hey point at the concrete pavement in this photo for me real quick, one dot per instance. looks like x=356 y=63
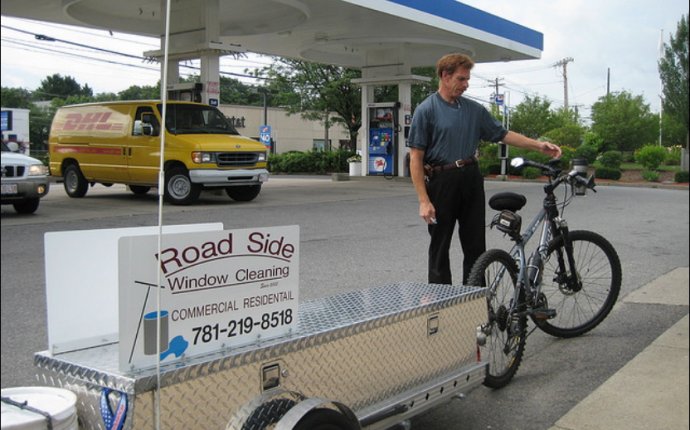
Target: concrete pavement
x=651 y=391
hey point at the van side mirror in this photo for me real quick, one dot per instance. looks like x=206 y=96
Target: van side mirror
x=138 y=128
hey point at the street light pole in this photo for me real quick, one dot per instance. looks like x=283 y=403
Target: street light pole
x=263 y=92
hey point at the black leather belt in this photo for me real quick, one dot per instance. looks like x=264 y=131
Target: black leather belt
x=457 y=164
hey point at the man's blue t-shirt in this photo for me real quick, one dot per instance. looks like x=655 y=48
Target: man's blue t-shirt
x=449 y=132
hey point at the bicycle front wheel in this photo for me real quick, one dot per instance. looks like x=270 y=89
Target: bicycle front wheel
x=506 y=328
x=580 y=306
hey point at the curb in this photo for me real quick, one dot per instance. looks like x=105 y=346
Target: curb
x=660 y=185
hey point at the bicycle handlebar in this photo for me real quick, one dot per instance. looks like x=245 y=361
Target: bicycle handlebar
x=554 y=173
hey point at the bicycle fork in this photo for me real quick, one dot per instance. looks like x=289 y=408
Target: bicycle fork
x=569 y=281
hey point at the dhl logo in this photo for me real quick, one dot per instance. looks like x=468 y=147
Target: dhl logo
x=89 y=121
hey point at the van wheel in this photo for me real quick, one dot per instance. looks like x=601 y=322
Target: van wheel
x=244 y=193
x=179 y=189
x=75 y=182
x=139 y=189
x=26 y=207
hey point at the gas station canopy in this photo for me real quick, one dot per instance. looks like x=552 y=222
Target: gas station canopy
x=383 y=38
x=354 y=33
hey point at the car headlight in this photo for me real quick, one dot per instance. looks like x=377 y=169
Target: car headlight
x=202 y=157
x=38 y=170
x=262 y=156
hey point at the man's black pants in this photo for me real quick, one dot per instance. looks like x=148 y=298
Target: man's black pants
x=458 y=197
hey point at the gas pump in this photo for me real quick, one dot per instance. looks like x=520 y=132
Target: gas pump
x=383 y=138
x=186 y=91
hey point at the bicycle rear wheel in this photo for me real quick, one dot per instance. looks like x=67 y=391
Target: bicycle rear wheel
x=506 y=328
x=580 y=307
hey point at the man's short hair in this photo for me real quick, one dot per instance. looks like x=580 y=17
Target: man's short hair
x=451 y=62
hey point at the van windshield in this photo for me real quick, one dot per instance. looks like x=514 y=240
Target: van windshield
x=196 y=119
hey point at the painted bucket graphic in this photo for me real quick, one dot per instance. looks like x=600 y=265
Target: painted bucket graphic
x=150 y=321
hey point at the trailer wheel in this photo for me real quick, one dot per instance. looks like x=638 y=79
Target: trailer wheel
x=269 y=413
x=324 y=419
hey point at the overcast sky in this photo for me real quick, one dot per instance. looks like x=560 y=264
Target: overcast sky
x=613 y=36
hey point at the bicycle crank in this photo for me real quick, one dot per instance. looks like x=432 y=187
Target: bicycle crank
x=541 y=311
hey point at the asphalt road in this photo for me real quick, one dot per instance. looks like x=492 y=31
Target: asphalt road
x=358 y=234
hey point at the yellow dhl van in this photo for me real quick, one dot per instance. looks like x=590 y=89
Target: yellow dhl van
x=119 y=142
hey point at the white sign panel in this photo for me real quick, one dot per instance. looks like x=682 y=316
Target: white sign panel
x=82 y=286
x=217 y=290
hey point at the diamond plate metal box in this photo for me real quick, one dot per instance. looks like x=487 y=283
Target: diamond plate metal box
x=401 y=347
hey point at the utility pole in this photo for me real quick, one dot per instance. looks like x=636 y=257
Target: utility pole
x=608 y=81
x=502 y=147
x=496 y=83
x=564 y=62
x=661 y=89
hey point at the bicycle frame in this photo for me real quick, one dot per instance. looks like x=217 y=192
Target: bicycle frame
x=518 y=250
x=551 y=225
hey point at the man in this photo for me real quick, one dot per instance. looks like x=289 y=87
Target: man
x=444 y=137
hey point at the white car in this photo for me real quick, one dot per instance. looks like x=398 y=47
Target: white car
x=24 y=180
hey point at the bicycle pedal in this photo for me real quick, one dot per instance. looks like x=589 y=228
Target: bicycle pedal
x=544 y=314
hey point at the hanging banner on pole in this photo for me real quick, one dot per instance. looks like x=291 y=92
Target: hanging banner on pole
x=265 y=135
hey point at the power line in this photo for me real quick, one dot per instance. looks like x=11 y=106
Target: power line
x=47 y=38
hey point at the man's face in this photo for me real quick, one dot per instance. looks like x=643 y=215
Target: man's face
x=456 y=83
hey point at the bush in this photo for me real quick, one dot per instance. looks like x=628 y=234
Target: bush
x=650 y=156
x=673 y=156
x=320 y=162
x=489 y=167
x=567 y=154
x=588 y=152
x=611 y=159
x=682 y=176
x=650 y=176
x=607 y=173
x=531 y=173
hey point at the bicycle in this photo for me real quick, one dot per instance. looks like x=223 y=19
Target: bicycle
x=567 y=286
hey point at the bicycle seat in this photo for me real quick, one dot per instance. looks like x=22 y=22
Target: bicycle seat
x=507 y=201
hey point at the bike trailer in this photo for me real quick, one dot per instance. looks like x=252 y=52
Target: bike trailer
x=365 y=359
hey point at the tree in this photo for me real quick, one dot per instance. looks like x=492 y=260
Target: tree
x=624 y=122
x=420 y=91
x=235 y=92
x=316 y=91
x=136 y=92
x=533 y=117
x=61 y=87
x=673 y=70
x=674 y=131
x=15 y=98
x=40 y=119
x=568 y=135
